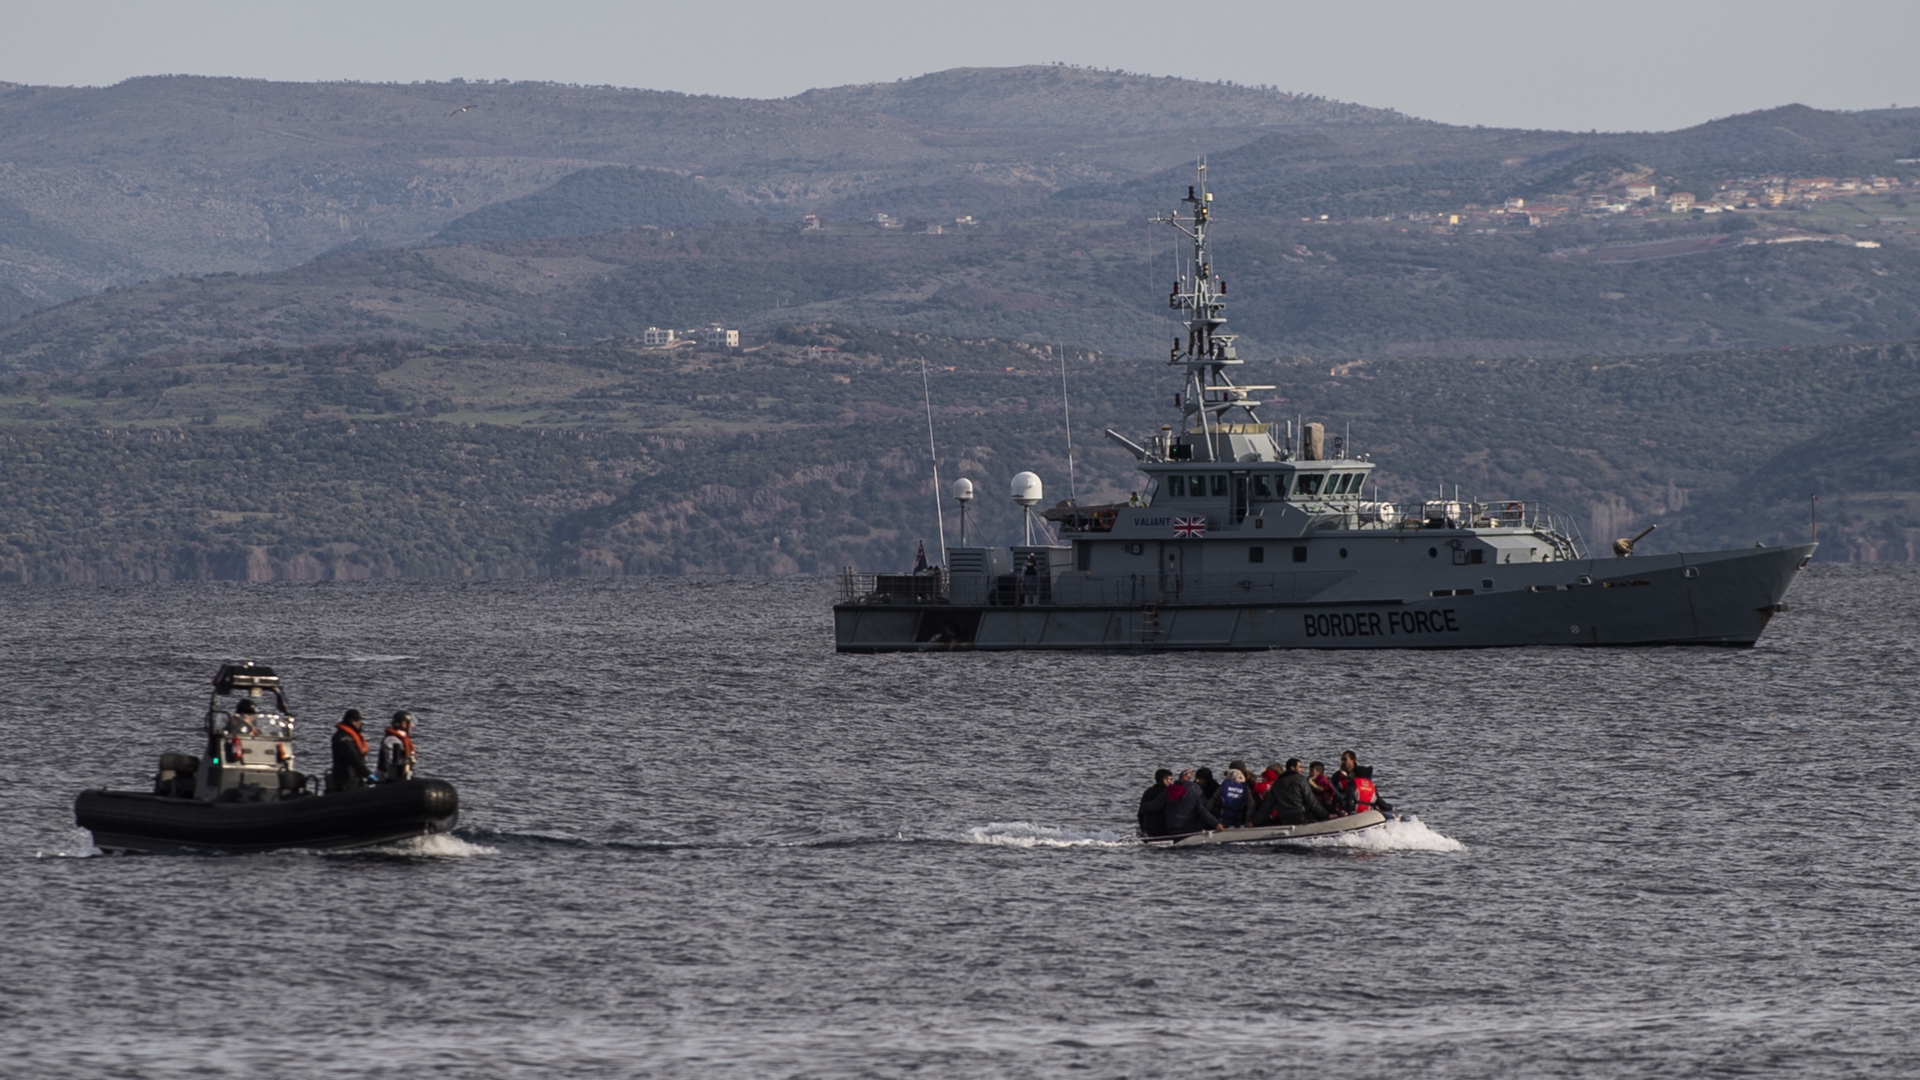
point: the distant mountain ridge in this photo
(1060, 97)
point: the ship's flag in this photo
(1191, 528)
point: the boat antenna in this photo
(1066, 411)
(939, 512)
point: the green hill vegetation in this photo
(605, 199)
(1354, 290)
(809, 453)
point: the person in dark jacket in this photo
(1343, 781)
(1291, 800)
(349, 754)
(1187, 809)
(1208, 785)
(1153, 805)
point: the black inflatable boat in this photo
(243, 794)
(137, 821)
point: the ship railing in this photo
(1559, 529)
(861, 587)
(1078, 588)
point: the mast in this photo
(1201, 298)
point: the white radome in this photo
(1026, 489)
(963, 489)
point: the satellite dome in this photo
(1026, 489)
(963, 489)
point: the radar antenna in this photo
(1200, 296)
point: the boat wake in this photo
(431, 846)
(79, 845)
(1025, 834)
(1403, 833)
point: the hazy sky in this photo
(1609, 64)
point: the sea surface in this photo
(694, 841)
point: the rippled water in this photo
(697, 842)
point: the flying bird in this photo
(459, 110)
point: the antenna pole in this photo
(1067, 412)
(1813, 519)
(939, 512)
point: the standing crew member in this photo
(349, 754)
(397, 757)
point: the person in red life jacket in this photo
(349, 754)
(1187, 808)
(1264, 783)
(397, 756)
(1366, 796)
(1290, 801)
(1323, 787)
(1234, 800)
(1363, 788)
(1153, 804)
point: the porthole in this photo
(1433, 553)
(1343, 553)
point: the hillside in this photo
(1352, 290)
(808, 454)
(189, 175)
(166, 176)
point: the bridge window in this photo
(1197, 486)
(1261, 488)
(1219, 486)
(1308, 484)
(1176, 487)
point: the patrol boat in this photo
(1249, 535)
(244, 794)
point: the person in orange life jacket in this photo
(349, 754)
(1234, 800)
(1323, 787)
(1366, 796)
(1290, 801)
(1153, 804)
(1187, 808)
(397, 756)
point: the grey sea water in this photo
(696, 842)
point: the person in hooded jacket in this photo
(1264, 783)
(349, 754)
(1153, 805)
(1323, 787)
(1208, 785)
(1291, 800)
(1187, 809)
(1233, 802)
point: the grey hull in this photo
(1711, 598)
(1277, 834)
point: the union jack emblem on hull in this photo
(1190, 528)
